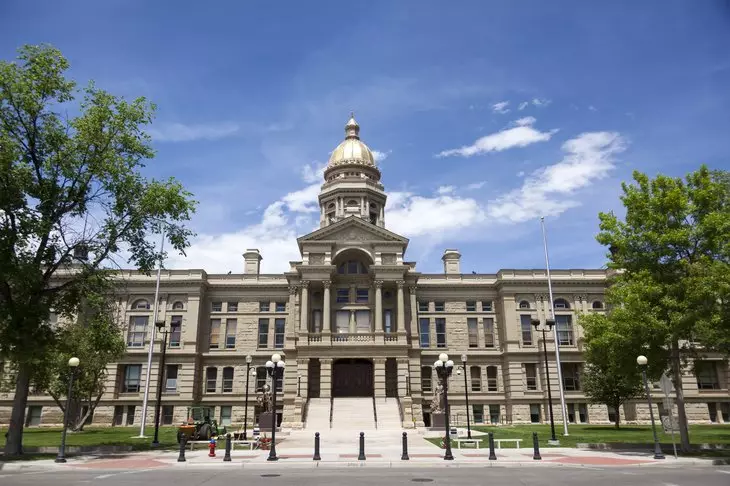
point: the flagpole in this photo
(152, 340)
(555, 329)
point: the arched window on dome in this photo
(561, 304)
(524, 304)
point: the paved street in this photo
(281, 476)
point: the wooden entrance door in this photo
(352, 378)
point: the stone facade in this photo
(353, 302)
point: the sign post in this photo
(668, 387)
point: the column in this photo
(379, 378)
(413, 331)
(378, 305)
(401, 323)
(325, 378)
(304, 317)
(326, 319)
(353, 323)
(291, 322)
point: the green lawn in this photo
(96, 436)
(635, 434)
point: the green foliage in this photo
(72, 200)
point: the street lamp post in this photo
(249, 373)
(161, 378)
(275, 369)
(549, 323)
(466, 394)
(641, 361)
(444, 366)
(73, 363)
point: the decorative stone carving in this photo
(401, 283)
(388, 259)
(293, 289)
(304, 284)
(581, 297)
(326, 283)
(437, 402)
(378, 284)
(316, 258)
(412, 288)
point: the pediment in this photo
(353, 229)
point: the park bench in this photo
(460, 440)
(499, 442)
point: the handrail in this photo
(305, 411)
(375, 413)
(332, 409)
(400, 409)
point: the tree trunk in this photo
(677, 375)
(618, 415)
(14, 441)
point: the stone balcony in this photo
(354, 339)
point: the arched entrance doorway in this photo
(352, 377)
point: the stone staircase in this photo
(318, 415)
(353, 414)
(388, 414)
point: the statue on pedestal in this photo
(437, 402)
(265, 399)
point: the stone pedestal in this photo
(438, 420)
(265, 421)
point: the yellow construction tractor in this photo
(200, 425)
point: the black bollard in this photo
(404, 456)
(316, 447)
(492, 455)
(183, 441)
(536, 445)
(361, 456)
(227, 456)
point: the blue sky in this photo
(252, 97)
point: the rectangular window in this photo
(233, 307)
(279, 327)
(228, 379)
(426, 379)
(130, 414)
(168, 414)
(471, 306)
(215, 333)
(132, 375)
(706, 372)
(175, 331)
(535, 413)
(531, 376)
(571, 376)
(343, 296)
(475, 373)
(487, 306)
(260, 378)
(440, 332)
(211, 379)
(478, 413)
(492, 385)
(424, 330)
(611, 413)
(171, 378)
(352, 267)
(118, 415)
(564, 324)
(388, 320)
(226, 413)
(34, 415)
(342, 321)
(472, 325)
(583, 413)
(231, 325)
(526, 328)
(216, 306)
(281, 307)
(725, 411)
(712, 410)
(488, 332)
(439, 306)
(264, 306)
(317, 321)
(362, 321)
(263, 333)
(362, 296)
(137, 331)
(494, 414)
(423, 307)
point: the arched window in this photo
(597, 304)
(178, 305)
(475, 373)
(352, 267)
(426, 379)
(228, 379)
(492, 379)
(524, 304)
(561, 304)
(351, 203)
(141, 304)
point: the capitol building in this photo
(360, 328)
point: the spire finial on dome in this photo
(352, 129)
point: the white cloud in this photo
(313, 172)
(380, 156)
(523, 105)
(412, 215)
(519, 136)
(475, 185)
(592, 108)
(179, 132)
(500, 107)
(445, 190)
(589, 157)
(304, 200)
(540, 102)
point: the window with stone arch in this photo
(178, 306)
(524, 304)
(141, 304)
(561, 304)
(597, 305)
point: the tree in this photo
(72, 199)
(610, 376)
(673, 250)
(96, 338)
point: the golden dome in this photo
(352, 150)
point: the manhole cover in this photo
(270, 475)
(422, 480)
